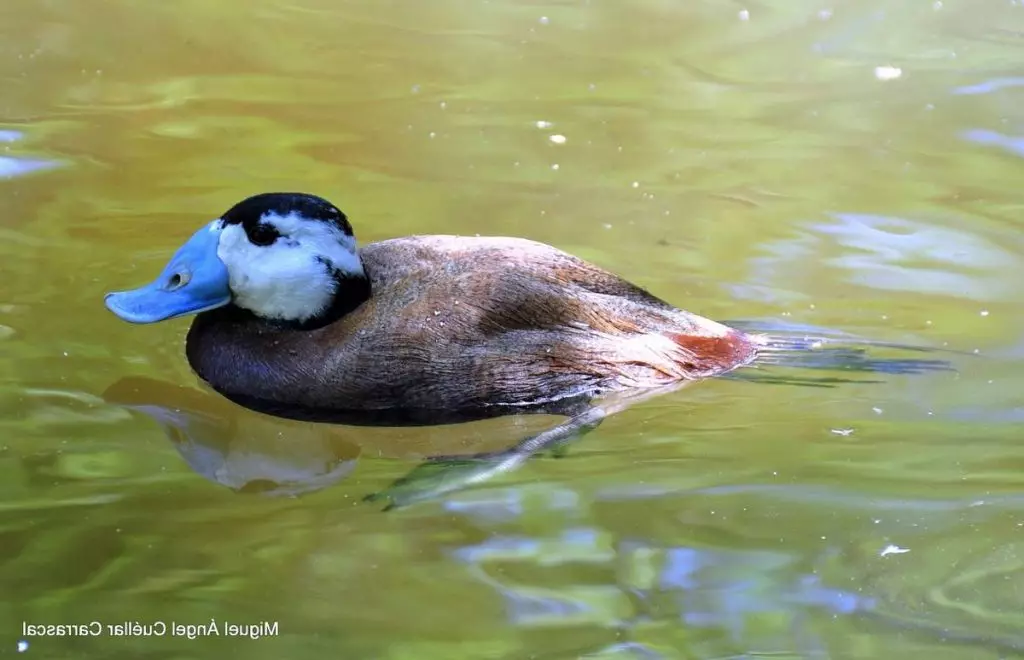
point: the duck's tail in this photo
(783, 346)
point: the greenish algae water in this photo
(850, 165)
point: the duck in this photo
(292, 316)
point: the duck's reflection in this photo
(252, 447)
(243, 451)
(252, 452)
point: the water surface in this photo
(849, 165)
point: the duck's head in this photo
(282, 256)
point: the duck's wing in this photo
(530, 305)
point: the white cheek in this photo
(279, 281)
(319, 239)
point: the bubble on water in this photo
(557, 139)
(842, 432)
(636, 184)
(22, 646)
(543, 124)
(555, 166)
(744, 15)
(544, 20)
(984, 312)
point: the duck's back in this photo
(509, 321)
(463, 324)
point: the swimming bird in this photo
(294, 318)
(292, 313)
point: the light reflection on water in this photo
(1013, 144)
(989, 86)
(881, 249)
(761, 598)
(14, 166)
(885, 253)
(751, 587)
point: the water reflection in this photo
(1012, 144)
(276, 453)
(249, 451)
(723, 523)
(886, 253)
(899, 254)
(989, 86)
(752, 600)
(252, 452)
(15, 166)
(761, 586)
(244, 452)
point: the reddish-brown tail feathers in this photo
(710, 356)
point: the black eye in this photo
(263, 235)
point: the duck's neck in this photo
(352, 291)
(241, 354)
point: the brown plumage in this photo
(466, 325)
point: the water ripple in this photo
(989, 86)
(899, 254)
(14, 166)
(1009, 143)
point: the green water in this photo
(851, 165)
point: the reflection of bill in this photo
(244, 451)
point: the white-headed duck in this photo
(293, 316)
